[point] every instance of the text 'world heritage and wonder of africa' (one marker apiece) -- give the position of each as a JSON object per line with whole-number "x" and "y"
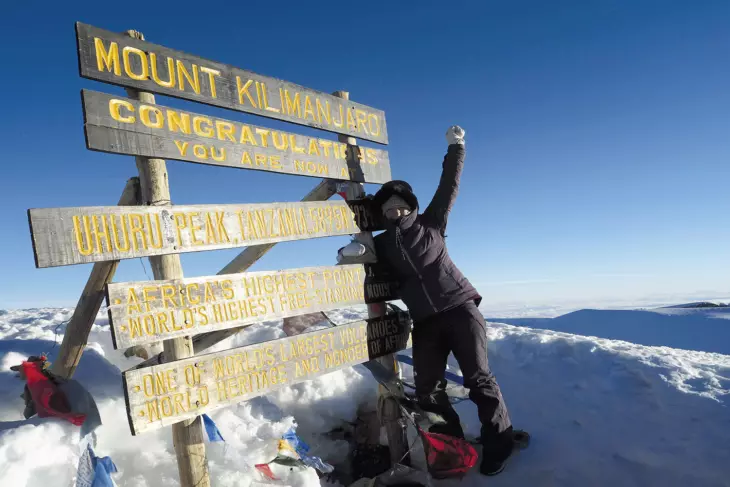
{"x": 168, "y": 393}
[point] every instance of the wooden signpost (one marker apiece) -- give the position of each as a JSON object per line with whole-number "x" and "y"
{"x": 148, "y": 312}
{"x": 169, "y": 393}
{"x": 121, "y": 60}
{"x": 123, "y": 126}
{"x": 181, "y": 385}
{"x": 65, "y": 236}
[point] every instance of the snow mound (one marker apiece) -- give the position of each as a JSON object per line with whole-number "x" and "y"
{"x": 686, "y": 326}
{"x": 601, "y": 412}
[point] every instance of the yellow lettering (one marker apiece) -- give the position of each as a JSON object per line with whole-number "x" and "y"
{"x": 220, "y": 157}
{"x": 246, "y": 159}
{"x": 193, "y": 296}
{"x": 227, "y": 289}
{"x": 292, "y": 106}
{"x": 136, "y": 227}
{"x": 362, "y": 121}
{"x": 198, "y": 122}
{"x": 264, "y": 134}
{"x": 243, "y": 91}
{"x": 144, "y": 75}
{"x": 283, "y": 141}
{"x": 170, "y": 71}
{"x": 326, "y": 146}
{"x": 225, "y": 130}
{"x": 114, "y": 107}
{"x": 107, "y": 59}
{"x": 211, "y": 77}
{"x": 182, "y": 147}
{"x": 178, "y": 122}
{"x": 193, "y": 228}
{"x": 372, "y": 156}
{"x": 144, "y": 115}
{"x": 183, "y": 73}
{"x": 308, "y": 108}
{"x": 124, "y": 244}
{"x": 180, "y": 223}
{"x": 247, "y": 136}
{"x": 87, "y": 249}
{"x": 313, "y": 148}
{"x": 324, "y": 111}
{"x": 200, "y": 151}
{"x": 339, "y": 123}
{"x": 374, "y": 127}
{"x": 266, "y": 100}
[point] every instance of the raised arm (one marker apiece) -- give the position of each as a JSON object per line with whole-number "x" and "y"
{"x": 438, "y": 210}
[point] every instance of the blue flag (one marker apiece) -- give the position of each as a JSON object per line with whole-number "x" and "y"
{"x": 212, "y": 430}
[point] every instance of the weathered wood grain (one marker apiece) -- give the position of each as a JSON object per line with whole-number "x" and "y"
{"x": 150, "y": 311}
{"x": 322, "y": 192}
{"x": 77, "y": 331}
{"x": 389, "y": 411}
{"x": 76, "y": 235}
{"x": 122, "y": 126}
{"x": 187, "y": 436}
{"x": 169, "y": 393}
{"x": 120, "y": 60}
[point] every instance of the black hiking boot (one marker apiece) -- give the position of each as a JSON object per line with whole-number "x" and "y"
{"x": 495, "y": 456}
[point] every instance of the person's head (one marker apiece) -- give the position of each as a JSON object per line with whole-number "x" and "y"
{"x": 395, "y": 199}
{"x": 395, "y": 207}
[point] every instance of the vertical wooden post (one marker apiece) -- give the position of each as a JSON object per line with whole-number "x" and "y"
{"x": 390, "y": 413}
{"x": 187, "y": 436}
{"x": 77, "y": 332}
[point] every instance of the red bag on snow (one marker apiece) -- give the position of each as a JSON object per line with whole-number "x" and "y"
{"x": 48, "y": 398}
{"x": 447, "y": 456}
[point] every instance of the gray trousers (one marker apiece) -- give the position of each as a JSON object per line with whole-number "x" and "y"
{"x": 461, "y": 331}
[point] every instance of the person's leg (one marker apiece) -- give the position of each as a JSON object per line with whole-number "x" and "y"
{"x": 430, "y": 352}
{"x": 468, "y": 341}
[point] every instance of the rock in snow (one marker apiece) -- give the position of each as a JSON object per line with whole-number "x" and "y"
{"x": 600, "y": 411}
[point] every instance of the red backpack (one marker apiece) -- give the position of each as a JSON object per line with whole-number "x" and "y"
{"x": 447, "y": 456}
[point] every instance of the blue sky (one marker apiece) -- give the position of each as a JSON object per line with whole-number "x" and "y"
{"x": 597, "y": 133}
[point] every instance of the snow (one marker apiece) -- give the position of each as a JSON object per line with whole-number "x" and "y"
{"x": 601, "y": 409}
{"x": 701, "y": 329}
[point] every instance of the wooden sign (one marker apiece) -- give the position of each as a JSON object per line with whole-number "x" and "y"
{"x": 124, "y": 126}
{"x": 152, "y": 311}
{"x": 77, "y": 235}
{"x": 169, "y": 393}
{"x": 120, "y": 60}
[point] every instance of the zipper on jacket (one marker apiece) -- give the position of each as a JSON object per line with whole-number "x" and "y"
{"x": 420, "y": 278}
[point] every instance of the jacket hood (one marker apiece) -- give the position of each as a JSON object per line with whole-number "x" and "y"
{"x": 398, "y": 188}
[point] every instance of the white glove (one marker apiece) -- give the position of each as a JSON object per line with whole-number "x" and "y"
{"x": 353, "y": 249}
{"x": 455, "y": 135}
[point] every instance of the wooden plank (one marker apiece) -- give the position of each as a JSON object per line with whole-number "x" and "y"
{"x": 169, "y": 393}
{"x": 322, "y": 192}
{"x": 150, "y": 311}
{"x": 117, "y": 59}
{"x": 389, "y": 410}
{"x": 122, "y": 126}
{"x": 77, "y": 332}
{"x": 77, "y": 235}
{"x": 187, "y": 436}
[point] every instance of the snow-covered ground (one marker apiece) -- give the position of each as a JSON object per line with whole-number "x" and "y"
{"x": 601, "y": 411}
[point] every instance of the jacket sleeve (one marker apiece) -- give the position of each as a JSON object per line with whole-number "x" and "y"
{"x": 438, "y": 210}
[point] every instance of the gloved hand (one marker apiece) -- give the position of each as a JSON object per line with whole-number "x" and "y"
{"x": 353, "y": 249}
{"x": 455, "y": 135}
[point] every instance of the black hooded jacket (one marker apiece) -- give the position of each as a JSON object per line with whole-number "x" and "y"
{"x": 413, "y": 248}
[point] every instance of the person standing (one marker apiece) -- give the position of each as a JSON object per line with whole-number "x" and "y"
{"x": 443, "y": 305}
